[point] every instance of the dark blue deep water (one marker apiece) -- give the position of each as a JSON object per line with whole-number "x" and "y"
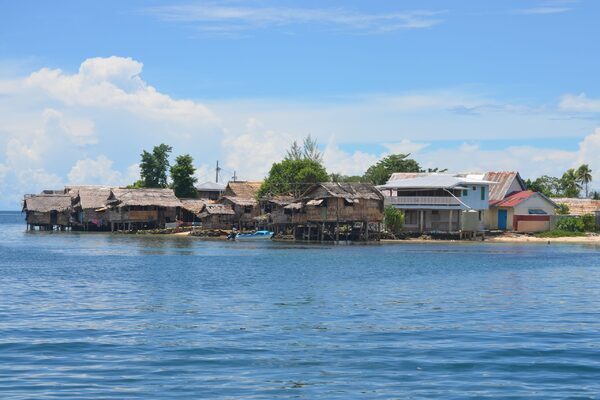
{"x": 99, "y": 316}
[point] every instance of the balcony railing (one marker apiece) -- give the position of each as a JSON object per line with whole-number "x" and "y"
{"x": 421, "y": 201}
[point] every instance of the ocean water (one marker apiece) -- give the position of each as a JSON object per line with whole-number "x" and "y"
{"x": 101, "y": 316}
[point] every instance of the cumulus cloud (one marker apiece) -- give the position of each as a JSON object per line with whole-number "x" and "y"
{"x": 95, "y": 171}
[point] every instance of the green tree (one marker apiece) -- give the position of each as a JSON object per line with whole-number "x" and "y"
{"x": 380, "y": 173}
{"x": 584, "y": 175}
{"x": 547, "y": 185}
{"x": 393, "y": 219}
{"x": 563, "y": 209}
{"x": 570, "y": 183}
{"x": 336, "y": 177}
{"x": 308, "y": 151}
{"x": 154, "y": 167}
{"x": 300, "y": 168}
{"x": 182, "y": 175}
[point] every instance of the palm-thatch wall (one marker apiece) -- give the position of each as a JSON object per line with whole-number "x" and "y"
{"x": 89, "y": 206}
{"x": 47, "y": 210}
{"x": 217, "y": 216}
{"x": 142, "y": 208}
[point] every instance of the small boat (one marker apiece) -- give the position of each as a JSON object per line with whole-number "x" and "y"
{"x": 258, "y": 235}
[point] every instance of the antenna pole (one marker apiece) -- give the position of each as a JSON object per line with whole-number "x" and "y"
{"x": 218, "y": 170}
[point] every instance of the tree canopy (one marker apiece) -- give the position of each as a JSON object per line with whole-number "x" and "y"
{"x": 380, "y": 173}
{"x": 569, "y": 184}
{"x": 300, "y": 168}
{"x": 182, "y": 176}
{"x": 154, "y": 167}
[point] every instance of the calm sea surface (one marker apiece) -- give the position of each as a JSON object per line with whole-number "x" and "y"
{"x": 99, "y": 316}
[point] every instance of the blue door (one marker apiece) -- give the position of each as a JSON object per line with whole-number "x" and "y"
{"x": 502, "y": 220}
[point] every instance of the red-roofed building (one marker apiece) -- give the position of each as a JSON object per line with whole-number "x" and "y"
{"x": 514, "y": 208}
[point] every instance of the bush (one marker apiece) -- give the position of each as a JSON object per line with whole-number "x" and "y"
{"x": 562, "y": 209}
{"x": 589, "y": 222}
{"x": 393, "y": 220}
{"x": 570, "y": 224}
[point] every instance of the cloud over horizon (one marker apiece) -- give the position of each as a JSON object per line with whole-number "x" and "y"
{"x": 89, "y": 127}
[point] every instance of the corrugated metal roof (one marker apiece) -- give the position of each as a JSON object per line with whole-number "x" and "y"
{"x": 211, "y": 186}
{"x": 432, "y": 181}
{"x": 503, "y": 182}
{"x": 514, "y": 199}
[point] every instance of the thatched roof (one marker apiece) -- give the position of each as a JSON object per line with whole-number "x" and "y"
{"x": 143, "y": 197}
{"x": 193, "y": 205}
{"x": 47, "y": 203}
{"x": 241, "y": 201}
{"x": 579, "y": 206}
{"x": 348, "y": 191}
{"x": 247, "y": 190}
{"x": 279, "y": 200}
{"x": 221, "y": 209}
{"x": 89, "y": 197}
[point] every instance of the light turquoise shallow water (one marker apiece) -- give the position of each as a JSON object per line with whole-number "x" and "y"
{"x": 100, "y": 316}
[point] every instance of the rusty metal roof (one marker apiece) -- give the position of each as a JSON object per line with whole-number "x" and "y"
{"x": 503, "y": 182}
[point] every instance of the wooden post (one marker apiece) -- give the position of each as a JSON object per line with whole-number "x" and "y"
{"x": 450, "y": 222}
{"x": 421, "y": 220}
{"x": 367, "y": 231}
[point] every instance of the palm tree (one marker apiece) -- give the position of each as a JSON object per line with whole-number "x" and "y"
{"x": 584, "y": 174}
{"x": 570, "y": 183}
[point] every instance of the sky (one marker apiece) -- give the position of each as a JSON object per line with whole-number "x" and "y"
{"x": 465, "y": 85}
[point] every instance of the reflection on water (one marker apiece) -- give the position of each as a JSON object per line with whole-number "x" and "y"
{"x": 96, "y": 315}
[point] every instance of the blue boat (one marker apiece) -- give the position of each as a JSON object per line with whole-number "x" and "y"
{"x": 258, "y": 235}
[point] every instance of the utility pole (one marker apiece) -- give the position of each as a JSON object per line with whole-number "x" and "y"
{"x": 218, "y": 170}
{"x": 234, "y": 176}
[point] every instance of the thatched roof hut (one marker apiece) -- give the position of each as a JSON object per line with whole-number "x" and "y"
{"x": 346, "y": 191}
{"x": 248, "y": 190}
{"x": 143, "y": 198}
{"x": 45, "y": 203}
{"x": 48, "y": 210}
{"x": 88, "y": 197}
{"x": 579, "y": 206}
{"x": 217, "y": 216}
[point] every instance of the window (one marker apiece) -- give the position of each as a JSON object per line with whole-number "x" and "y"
{"x": 410, "y": 217}
{"x": 474, "y": 187}
{"x": 482, "y": 193}
{"x": 479, "y": 215}
{"x": 465, "y": 192}
{"x": 248, "y": 209}
{"x": 537, "y": 211}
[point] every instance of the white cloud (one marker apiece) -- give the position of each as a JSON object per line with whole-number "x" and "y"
{"x": 579, "y": 103}
{"x": 223, "y": 18}
{"x": 95, "y": 171}
{"x": 542, "y": 10}
{"x": 252, "y": 153}
{"x": 406, "y": 146}
{"x": 339, "y": 161}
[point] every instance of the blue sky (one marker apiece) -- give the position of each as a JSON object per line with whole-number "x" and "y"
{"x": 85, "y": 86}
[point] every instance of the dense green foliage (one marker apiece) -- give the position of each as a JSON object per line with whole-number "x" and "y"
{"x": 568, "y": 185}
{"x": 379, "y": 173}
{"x": 346, "y": 178}
{"x": 562, "y": 209}
{"x": 570, "y": 224}
{"x": 393, "y": 220}
{"x": 589, "y": 222}
{"x": 154, "y": 167}
{"x": 557, "y": 234}
{"x": 182, "y": 176}
{"x": 296, "y": 172}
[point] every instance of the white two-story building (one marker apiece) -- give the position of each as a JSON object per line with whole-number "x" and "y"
{"x": 438, "y": 202}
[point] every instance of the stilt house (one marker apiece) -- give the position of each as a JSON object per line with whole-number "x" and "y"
{"x": 89, "y": 204}
{"x": 47, "y": 211}
{"x": 330, "y": 211}
{"x": 242, "y": 198}
{"x": 142, "y": 208}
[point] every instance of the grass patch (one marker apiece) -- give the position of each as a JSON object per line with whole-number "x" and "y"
{"x": 558, "y": 233}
